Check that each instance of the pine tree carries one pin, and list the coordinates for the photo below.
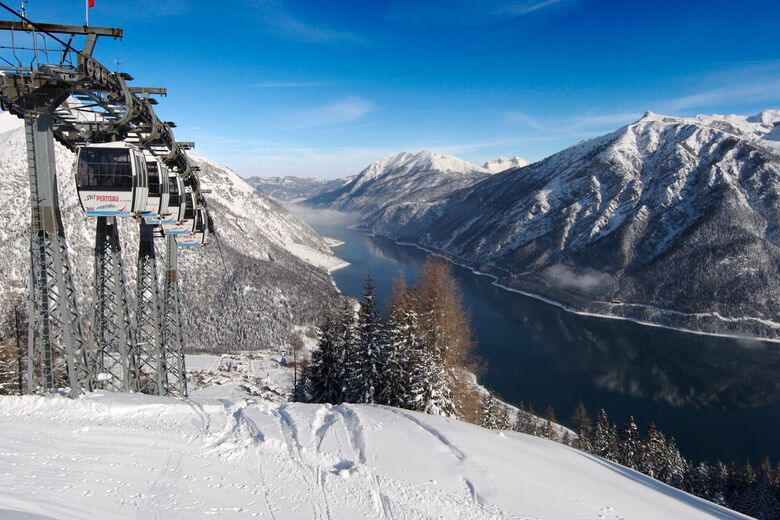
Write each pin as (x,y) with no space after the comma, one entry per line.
(630,445)
(428,382)
(756,496)
(548,429)
(503,421)
(652,454)
(719,483)
(523,421)
(489,412)
(673,465)
(364,365)
(698,480)
(604,437)
(325,374)
(398,338)
(581,420)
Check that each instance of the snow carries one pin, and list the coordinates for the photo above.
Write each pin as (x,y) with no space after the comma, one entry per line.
(113,456)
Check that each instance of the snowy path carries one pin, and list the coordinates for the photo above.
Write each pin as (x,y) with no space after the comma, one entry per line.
(123,456)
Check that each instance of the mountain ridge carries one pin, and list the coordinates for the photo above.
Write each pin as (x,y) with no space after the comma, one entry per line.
(615,225)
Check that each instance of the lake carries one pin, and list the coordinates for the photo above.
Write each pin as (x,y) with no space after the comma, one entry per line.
(717,396)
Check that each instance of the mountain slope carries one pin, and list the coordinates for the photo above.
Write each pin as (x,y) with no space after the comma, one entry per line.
(244,291)
(666,213)
(401,177)
(137,456)
(291,188)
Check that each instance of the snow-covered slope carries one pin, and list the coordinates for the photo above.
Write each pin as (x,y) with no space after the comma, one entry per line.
(402,177)
(667,213)
(296,188)
(265,285)
(504,163)
(115,456)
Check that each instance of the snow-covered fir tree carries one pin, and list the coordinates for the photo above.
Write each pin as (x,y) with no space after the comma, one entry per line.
(399,338)
(630,445)
(365,362)
(605,437)
(490,412)
(326,374)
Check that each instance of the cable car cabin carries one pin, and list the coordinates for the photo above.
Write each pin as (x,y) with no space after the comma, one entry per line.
(200,235)
(157,201)
(111,180)
(185,224)
(176,205)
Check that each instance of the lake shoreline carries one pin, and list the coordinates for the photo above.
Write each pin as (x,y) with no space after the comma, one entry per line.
(496,282)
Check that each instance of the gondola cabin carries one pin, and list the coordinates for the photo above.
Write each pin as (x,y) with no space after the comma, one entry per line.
(159,188)
(176,204)
(111,180)
(185,200)
(200,235)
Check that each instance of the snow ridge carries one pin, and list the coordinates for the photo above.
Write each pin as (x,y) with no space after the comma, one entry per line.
(621,221)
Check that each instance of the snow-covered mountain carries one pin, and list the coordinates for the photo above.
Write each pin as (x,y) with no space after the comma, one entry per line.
(504,163)
(245,290)
(401,177)
(668,220)
(218,455)
(292,188)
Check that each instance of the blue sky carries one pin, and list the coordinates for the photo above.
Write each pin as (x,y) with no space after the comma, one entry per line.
(284,87)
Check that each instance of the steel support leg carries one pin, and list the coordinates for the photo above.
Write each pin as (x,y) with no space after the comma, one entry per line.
(116,368)
(172,334)
(151,351)
(57,354)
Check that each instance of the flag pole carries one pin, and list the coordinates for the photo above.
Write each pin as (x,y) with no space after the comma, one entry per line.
(86,11)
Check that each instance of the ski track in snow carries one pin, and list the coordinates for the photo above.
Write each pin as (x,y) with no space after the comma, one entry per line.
(118,456)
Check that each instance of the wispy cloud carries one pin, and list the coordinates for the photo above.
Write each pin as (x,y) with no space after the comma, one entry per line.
(288,84)
(280,21)
(516,117)
(461,13)
(576,124)
(340,112)
(761,91)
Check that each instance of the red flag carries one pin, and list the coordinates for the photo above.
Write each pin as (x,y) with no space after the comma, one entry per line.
(91,4)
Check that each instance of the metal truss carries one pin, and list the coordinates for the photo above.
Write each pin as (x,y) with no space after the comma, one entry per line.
(172,333)
(115,362)
(150,355)
(57,353)
(64,93)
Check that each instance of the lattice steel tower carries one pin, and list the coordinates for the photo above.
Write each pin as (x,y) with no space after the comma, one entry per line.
(116,368)
(172,333)
(150,354)
(57,353)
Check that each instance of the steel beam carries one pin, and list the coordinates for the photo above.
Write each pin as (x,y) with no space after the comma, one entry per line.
(116,369)
(57,353)
(172,331)
(150,356)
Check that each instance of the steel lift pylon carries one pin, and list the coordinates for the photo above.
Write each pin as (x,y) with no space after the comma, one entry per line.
(64,93)
(57,352)
(116,368)
(150,353)
(172,332)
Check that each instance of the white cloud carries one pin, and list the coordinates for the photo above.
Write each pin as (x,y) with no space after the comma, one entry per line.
(586,281)
(754,92)
(340,112)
